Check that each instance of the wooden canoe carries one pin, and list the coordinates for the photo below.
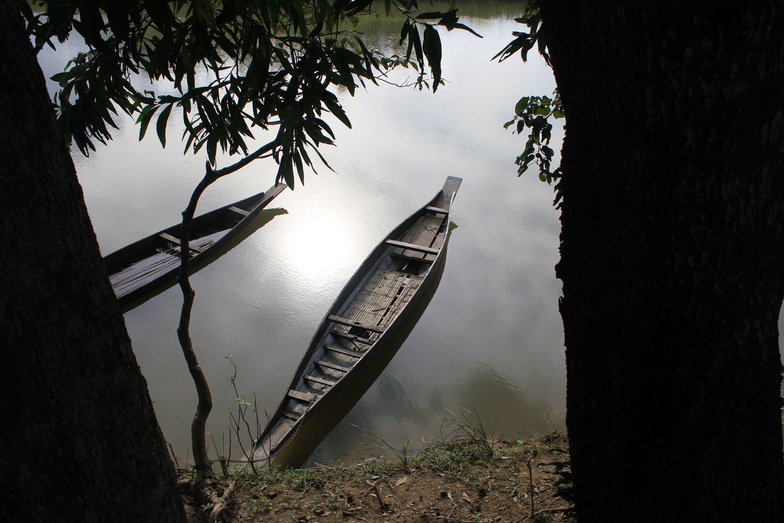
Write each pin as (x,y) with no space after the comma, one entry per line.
(358,328)
(150,265)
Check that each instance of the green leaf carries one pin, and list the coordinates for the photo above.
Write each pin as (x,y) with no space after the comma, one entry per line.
(413,38)
(160,125)
(300,169)
(145,117)
(159,12)
(338,111)
(404,34)
(465,28)
(435,14)
(119,18)
(521,105)
(432,49)
(90,24)
(61,78)
(542,110)
(286,171)
(522,43)
(370,60)
(203,10)
(323,125)
(212,149)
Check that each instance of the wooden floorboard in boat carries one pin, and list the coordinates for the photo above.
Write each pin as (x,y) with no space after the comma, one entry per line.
(386,293)
(148,269)
(424,233)
(139,273)
(291,416)
(353,338)
(353,323)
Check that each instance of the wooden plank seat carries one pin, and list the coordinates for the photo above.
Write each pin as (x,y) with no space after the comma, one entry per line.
(353,323)
(176,241)
(413,247)
(238,210)
(437,210)
(305,397)
(344,352)
(416,257)
(332,366)
(321,381)
(291,415)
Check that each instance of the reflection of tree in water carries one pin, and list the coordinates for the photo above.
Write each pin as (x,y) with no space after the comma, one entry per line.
(389,410)
(501,404)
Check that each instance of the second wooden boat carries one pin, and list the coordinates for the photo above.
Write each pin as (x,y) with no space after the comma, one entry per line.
(357,328)
(151,264)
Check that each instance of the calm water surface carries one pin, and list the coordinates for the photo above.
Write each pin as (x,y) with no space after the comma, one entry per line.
(491,339)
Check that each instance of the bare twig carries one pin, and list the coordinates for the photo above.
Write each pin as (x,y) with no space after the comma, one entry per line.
(374,488)
(240,421)
(529,464)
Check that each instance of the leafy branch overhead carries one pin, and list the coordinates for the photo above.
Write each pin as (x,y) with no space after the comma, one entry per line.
(235,71)
(525,41)
(534,113)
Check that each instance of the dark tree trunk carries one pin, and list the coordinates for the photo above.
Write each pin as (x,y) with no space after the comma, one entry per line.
(201,459)
(79,439)
(672,257)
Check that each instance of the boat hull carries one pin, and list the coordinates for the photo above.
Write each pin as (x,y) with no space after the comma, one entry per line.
(147,267)
(324,418)
(363,329)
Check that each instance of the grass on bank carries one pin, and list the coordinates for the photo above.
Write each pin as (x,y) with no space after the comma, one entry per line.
(465,479)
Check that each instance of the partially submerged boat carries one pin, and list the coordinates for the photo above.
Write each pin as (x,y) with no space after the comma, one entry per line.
(139,270)
(363,322)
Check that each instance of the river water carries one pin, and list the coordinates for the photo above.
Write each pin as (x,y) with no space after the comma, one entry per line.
(490,342)
(491,339)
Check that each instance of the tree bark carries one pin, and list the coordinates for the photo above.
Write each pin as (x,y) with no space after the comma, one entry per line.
(79,440)
(672,257)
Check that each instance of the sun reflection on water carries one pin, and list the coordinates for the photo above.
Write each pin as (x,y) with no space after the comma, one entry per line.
(318,250)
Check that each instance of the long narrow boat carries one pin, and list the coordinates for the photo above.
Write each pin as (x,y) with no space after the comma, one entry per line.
(151,264)
(357,329)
